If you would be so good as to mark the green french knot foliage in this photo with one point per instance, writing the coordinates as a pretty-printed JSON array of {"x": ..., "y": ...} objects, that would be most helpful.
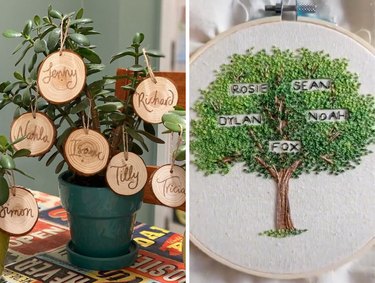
[{"x": 332, "y": 147}]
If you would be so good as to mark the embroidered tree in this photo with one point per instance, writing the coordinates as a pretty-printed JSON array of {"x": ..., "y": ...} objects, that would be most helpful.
[{"x": 283, "y": 114}]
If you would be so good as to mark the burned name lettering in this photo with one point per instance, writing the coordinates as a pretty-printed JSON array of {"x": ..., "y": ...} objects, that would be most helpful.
[
  {"x": 61, "y": 78},
  {"x": 156, "y": 99}
]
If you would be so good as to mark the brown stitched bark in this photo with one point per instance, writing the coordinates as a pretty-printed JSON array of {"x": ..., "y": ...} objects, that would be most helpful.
[
  {"x": 282, "y": 177},
  {"x": 283, "y": 213}
]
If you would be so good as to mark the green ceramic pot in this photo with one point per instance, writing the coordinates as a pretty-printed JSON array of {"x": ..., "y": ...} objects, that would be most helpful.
[{"x": 101, "y": 225}]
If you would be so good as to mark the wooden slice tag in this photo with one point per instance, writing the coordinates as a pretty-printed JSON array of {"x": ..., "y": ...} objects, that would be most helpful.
[
  {"x": 39, "y": 133},
  {"x": 126, "y": 177},
  {"x": 86, "y": 152},
  {"x": 152, "y": 100},
  {"x": 169, "y": 187},
  {"x": 19, "y": 214},
  {"x": 61, "y": 77}
]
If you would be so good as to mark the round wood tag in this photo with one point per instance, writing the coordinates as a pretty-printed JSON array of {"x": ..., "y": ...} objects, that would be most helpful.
[
  {"x": 19, "y": 214},
  {"x": 39, "y": 133},
  {"x": 61, "y": 77},
  {"x": 169, "y": 187},
  {"x": 86, "y": 152},
  {"x": 126, "y": 177},
  {"x": 152, "y": 100}
]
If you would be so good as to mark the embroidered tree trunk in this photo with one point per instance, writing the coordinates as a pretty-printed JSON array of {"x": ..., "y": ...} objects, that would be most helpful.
[
  {"x": 282, "y": 177},
  {"x": 283, "y": 214}
]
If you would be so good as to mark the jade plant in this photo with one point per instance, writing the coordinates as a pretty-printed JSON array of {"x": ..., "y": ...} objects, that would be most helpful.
[
  {"x": 109, "y": 114},
  {"x": 328, "y": 126}
]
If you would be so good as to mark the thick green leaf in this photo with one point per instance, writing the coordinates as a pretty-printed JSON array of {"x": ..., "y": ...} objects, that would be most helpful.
[
  {"x": 12, "y": 33},
  {"x": 28, "y": 27},
  {"x": 81, "y": 21},
  {"x": 117, "y": 116},
  {"x": 149, "y": 128},
  {"x": 178, "y": 121},
  {"x": 34, "y": 74},
  {"x": 94, "y": 68},
  {"x": 37, "y": 20},
  {"x": 122, "y": 54},
  {"x": 23, "y": 173},
  {"x": 80, "y": 39},
  {"x": 178, "y": 112},
  {"x": 17, "y": 113},
  {"x": 26, "y": 98},
  {"x": 136, "y": 149},
  {"x": 17, "y": 140},
  {"x": 42, "y": 104},
  {"x": 46, "y": 20},
  {"x": 151, "y": 137},
  {"x": 59, "y": 166},
  {"x": 10, "y": 87},
  {"x": 136, "y": 68},
  {"x": 32, "y": 62},
  {"x": 84, "y": 104},
  {"x": 52, "y": 158},
  {"x": 138, "y": 38},
  {"x": 23, "y": 54},
  {"x": 110, "y": 107},
  {"x": 40, "y": 46},
  {"x": 3, "y": 141},
  {"x": 47, "y": 31},
  {"x": 4, "y": 190},
  {"x": 128, "y": 87},
  {"x": 154, "y": 53},
  {"x": 79, "y": 14},
  {"x": 181, "y": 153},
  {"x": 18, "y": 76},
  {"x": 19, "y": 46},
  {"x": 62, "y": 138},
  {"x": 90, "y": 55},
  {"x": 55, "y": 14},
  {"x": 7, "y": 162},
  {"x": 133, "y": 133},
  {"x": 21, "y": 153},
  {"x": 53, "y": 39},
  {"x": 172, "y": 126},
  {"x": 91, "y": 32}
]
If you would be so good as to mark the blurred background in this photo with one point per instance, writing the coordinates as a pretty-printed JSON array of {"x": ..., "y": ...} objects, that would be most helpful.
[{"x": 162, "y": 22}]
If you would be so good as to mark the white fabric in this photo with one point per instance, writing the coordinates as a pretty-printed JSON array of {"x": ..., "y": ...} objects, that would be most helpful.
[{"x": 209, "y": 18}]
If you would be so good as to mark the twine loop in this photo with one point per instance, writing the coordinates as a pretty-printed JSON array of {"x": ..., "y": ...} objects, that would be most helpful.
[
  {"x": 149, "y": 69},
  {"x": 34, "y": 104},
  {"x": 125, "y": 141},
  {"x": 64, "y": 33}
]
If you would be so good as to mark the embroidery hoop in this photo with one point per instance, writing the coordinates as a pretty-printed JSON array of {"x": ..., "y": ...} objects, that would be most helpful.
[{"x": 261, "y": 35}]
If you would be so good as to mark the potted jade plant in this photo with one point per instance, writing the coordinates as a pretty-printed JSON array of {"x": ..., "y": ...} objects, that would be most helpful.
[
  {"x": 61, "y": 112},
  {"x": 7, "y": 168}
]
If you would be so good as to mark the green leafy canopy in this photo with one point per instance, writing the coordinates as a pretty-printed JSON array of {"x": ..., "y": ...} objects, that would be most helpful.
[{"x": 332, "y": 147}]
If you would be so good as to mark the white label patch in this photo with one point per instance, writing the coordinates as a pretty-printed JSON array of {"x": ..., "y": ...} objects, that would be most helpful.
[
  {"x": 311, "y": 85},
  {"x": 284, "y": 146},
  {"x": 327, "y": 115},
  {"x": 239, "y": 120},
  {"x": 248, "y": 88}
]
